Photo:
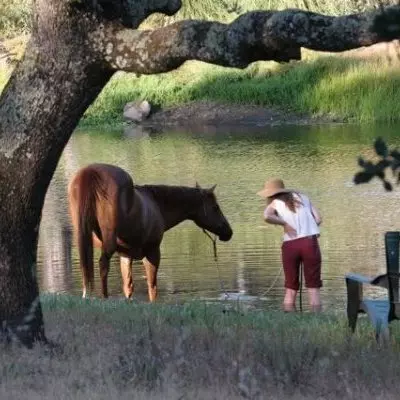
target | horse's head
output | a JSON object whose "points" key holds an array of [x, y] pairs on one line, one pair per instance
{"points": [[209, 215]]}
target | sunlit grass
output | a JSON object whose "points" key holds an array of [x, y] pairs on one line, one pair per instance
{"points": [[349, 89], [15, 15], [356, 90], [4, 76], [228, 10]]}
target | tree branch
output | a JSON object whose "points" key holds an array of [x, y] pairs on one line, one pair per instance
{"points": [[129, 12], [258, 35]]}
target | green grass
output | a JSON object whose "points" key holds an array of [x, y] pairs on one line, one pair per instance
{"points": [[364, 91], [114, 349], [356, 90], [4, 75]]}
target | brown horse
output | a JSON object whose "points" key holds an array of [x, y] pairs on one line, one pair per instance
{"points": [[110, 212]]}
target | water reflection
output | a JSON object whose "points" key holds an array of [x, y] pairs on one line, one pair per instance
{"points": [[320, 160], [55, 243]]}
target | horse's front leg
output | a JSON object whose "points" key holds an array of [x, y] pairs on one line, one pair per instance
{"points": [[151, 263], [126, 273]]}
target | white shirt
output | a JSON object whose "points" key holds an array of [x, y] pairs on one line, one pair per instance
{"points": [[302, 220]]}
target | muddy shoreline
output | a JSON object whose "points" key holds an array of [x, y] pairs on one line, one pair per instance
{"points": [[215, 116]]}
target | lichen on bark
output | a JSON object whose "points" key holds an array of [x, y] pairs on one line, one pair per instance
{"points": [[254, 36]]}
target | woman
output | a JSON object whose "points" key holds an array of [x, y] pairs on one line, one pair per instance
{"points": [[300, 221]]}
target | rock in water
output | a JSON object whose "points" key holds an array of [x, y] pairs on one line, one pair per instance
{"points": [[137, 111]]}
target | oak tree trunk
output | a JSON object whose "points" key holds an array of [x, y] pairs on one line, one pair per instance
{"points": [[52, 87]]}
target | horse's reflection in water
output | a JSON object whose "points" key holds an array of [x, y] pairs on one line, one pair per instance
{"points": [[110, 212]]}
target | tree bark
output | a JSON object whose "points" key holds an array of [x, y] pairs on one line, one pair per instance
{"points": [[258, 35], [42, 103], [75, 47]]}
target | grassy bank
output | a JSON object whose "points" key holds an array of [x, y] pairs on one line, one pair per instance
{"points": [[111, 349], [357, 90], [360, 90]]}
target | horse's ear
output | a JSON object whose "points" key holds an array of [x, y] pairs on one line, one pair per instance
{"points": [[212, 188], [197, 185]]}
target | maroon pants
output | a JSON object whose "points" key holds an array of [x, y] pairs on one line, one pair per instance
{"points": [[303, 250]]}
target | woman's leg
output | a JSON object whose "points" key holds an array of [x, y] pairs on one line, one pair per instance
{"points": [[291, 266], [314, 299], [289, 302], [311, 255]]}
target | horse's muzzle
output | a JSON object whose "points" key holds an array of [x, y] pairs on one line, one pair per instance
{"points": [[226, 236]]}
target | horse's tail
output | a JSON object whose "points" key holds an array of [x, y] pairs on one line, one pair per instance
{"points": [[89, 187]]}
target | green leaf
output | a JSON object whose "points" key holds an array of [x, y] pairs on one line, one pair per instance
{"points": [[388, 186], [380, 147], [362, 177], [361, 162], [395, 154]]}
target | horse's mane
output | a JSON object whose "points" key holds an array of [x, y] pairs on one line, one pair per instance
{"points": [[168, 194]]}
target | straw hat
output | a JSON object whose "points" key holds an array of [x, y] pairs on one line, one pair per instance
{"points": [[273, 187]]}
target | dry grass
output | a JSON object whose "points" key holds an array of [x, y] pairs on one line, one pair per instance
{"points": [[196, 351]]}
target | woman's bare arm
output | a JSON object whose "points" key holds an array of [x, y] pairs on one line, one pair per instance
{"points": [[271, 217], [317, 215]]}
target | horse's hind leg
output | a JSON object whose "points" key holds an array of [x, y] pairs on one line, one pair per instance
{"points": [[126, 272], [107, 250], [151, 263]]}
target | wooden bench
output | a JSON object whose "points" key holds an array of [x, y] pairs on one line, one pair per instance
{"points": [[380, 312]]}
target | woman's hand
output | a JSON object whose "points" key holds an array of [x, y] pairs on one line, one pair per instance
{"points": [[289, 230]]}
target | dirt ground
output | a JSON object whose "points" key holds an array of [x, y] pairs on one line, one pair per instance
{"points": [[212, 115]]}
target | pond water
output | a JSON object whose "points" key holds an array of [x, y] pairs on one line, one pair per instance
{"points": [[320, 160]]}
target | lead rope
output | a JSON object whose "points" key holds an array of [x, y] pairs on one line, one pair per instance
{"points": [[301, 270], [214, 242], [301, 287], [273, 283]]}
